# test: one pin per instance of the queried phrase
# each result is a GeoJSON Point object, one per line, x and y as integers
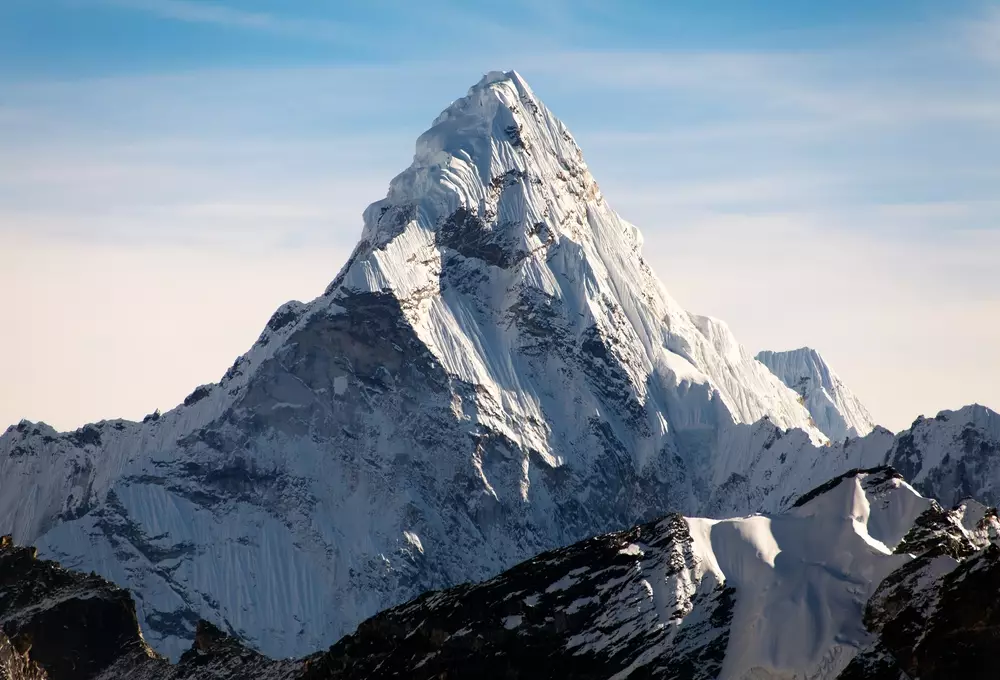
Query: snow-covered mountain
{"type": "Point", "coordinates": [837, 412]}
{"type": "Point", "coordinates": [783, 597]}
{"type": "Point", "coordinates": [494, 373]}
{"type": "Point", "coordinates": [862, 579]}
{"type": "Point", "coordinates": [952, 456]}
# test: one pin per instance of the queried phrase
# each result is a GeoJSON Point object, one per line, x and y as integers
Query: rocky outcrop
{"type": "Point", "coordinates": [624, 603]}
{"type": "Point", "coordinates": [936, 618]}
{"type": "Point", "coordinates": [59, 624]}
{"type": "Point", "coordinates": [952, 456]}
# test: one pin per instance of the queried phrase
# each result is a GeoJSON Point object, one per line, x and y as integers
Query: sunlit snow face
{"type": "Point", "coordinates": [798, 193]}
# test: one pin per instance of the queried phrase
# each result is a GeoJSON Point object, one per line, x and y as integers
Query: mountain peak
{"type": "Point", "coordinates": [834, 408]}
{"type": "Point", "coordinates": [495, 371]}
{"type": "Point", "coordinates": [497, 77]}
{"type": "Point", "coordinates": [496, 160]}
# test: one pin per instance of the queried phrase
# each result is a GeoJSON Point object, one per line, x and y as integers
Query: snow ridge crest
{"type": "Point", "coordinates": [834, 408]}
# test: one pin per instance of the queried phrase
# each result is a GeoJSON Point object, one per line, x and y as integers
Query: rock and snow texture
{"type": "Point", "coordinates": [862, 579]}
{"type": "Point", "coordinates": [953, 456]}
{"type": "Point", "coordinates": [57, 624]}
{"type": "Point", "coordinates": [802, 578]}
{"type": "Point", "coordinates": [809, 594]}
{"type": "Point", "coordinates": [495, 372]}
{"type": "Point", "coordinates": [935, 618]}
{"type": "Point", "coordinates": [760, 597]}
{"type": "Point", "coordinates": [837, 412]}
{"type": "Point", "coordinates": [60, 625]}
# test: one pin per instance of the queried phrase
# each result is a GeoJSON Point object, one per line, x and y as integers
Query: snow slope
{"type": "Point", "coordinates": [780, 597]}
{"type": "Point", "coordinates": [495, 372]}
{"type": "Point", "coordinates": [834, 408]}
{"type": "Point", "coordinates": [862, 579]}
{"type": "Point", "coordinates": [803, 578]}
{"type": "Point", "coordinates": [953, 456]}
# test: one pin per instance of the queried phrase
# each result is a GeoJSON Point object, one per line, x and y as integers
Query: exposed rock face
{"type": "Point", "coordinates": [952, 456]}
{"type": "Point", "coordinates": [16, 664]}
{"type": "Point", "coordinates": [58, 624]}
{"type": "Point", "coordinates": [613, 604]}
{"type": "Point", "coordinates": [937, 617]}
{"type": "Point", "coordinates": [213, 656]}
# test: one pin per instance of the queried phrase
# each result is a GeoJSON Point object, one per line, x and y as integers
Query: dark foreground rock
{"type": "Point", "coordinates": [575, 612]}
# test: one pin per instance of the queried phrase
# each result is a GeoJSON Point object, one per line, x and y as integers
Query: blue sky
{"type": "Point", "coordinates": [101, 37]}
{"type": "Point", "coordinates": [813, 173]}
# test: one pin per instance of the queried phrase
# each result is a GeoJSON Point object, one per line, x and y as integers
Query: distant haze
{"type": "Point", "coordinates": [824, 178]}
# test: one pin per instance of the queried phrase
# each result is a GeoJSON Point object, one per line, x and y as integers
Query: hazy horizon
{"type": "Point", "coordinates": [819, 177]}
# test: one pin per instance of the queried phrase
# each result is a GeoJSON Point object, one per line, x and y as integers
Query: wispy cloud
{"type": "Point", "coordinates": [834, 84]}
{"type": "Point", "coordinates": [231, 17]}
{"type": "Point", "coordinates": [982, 34]}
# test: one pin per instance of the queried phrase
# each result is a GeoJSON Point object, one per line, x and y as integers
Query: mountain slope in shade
{"type": "Point", "coordinates": [495, 372]}
{"type": "Point", "coordinates": [952, 456]}
{"type": "Point", "coordinates": [863, 579]}
{"type": "Point", "coordinates": [57, 624]}
{"type": "Point", "coordinates": [834, 408]}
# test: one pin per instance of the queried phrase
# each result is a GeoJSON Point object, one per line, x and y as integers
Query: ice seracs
{"type": "Point", "coordinates": [834, 408]}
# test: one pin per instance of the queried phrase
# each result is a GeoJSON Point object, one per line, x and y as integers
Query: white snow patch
{"type": "Point", "coordinates": [562, 584]}
{"type": "Point", "coordinates": [803, 579]}
{"type": "Point", "coordinates": [581, 602]}
{"type": "Point", "coordinates": [414, 540]}
{"type": "Point", "coordinates": [512, 622]}
{"type": "Point", "coordinates": [340, 385]}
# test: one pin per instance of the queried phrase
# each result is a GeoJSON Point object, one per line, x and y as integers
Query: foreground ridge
{"type": "Point", "coordinates": [895, 587]}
